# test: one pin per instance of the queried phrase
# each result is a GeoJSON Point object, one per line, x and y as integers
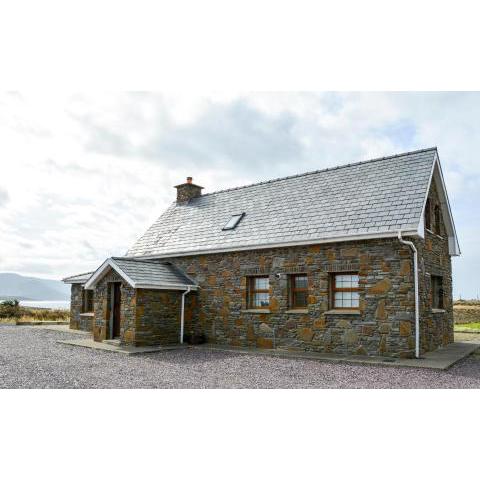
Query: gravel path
{"type": "Point", "coordinates": [31, 358]}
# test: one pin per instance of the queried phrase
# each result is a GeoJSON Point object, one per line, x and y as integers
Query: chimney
{"type": "Point", "coordinates": [187, 191]}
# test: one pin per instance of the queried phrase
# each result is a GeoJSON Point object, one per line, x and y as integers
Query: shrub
{"type": "Point", "coordinates": [10, 309]}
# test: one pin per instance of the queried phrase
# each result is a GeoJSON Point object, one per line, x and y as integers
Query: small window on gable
{"type": "Point", "coordinates": [428, 215]}
{"type": "Point", "coordinates": [233, 222]}
{"type": "Point", "coordinates": [437, 220]}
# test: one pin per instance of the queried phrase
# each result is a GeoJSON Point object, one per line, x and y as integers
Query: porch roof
{"type": "Point", "coordinates": [138, 273]}
{"type": "Point", "coordinates": [81, 278]}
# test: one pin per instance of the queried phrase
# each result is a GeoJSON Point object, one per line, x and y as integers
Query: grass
{"type": "Point", "coordinates": [473, 326]}
{"type": "Point", "coordinates": [13, 314]}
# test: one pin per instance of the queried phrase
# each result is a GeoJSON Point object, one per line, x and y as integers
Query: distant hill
{"type": "Point", "coordinates": [17, 286]}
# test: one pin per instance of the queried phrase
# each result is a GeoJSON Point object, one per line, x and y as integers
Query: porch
{"type": "Point", "coordinates": [141, 303]}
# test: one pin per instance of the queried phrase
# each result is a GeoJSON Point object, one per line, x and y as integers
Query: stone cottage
{"type": "Point", "coordinates": [351, 260]}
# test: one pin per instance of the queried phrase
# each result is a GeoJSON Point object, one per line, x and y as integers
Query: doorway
{"type": "Point", "coordinates": [115, 299]}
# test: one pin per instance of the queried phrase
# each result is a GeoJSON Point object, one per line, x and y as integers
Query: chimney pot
{"type": "Point", "coordinates": [187, 191]}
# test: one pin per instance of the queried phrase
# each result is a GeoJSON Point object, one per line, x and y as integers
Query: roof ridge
{"type": "Point", "coordinates": [138, 260]}
{"type": "Point", "coordinates": [312, 172]}
{"type": "Point", "coordinates": [80, 274]}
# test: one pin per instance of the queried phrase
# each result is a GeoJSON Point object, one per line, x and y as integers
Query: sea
{"type": "Point", "coordinates": [52, 304]}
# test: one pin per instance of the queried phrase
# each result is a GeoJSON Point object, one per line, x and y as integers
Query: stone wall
{"type": "Point", "coordinates": [157, 317]}
{"type": "Point", "coordinates": [79, 320]}
{"type": "Point", "coordinates": [384, 324]}
{"type": "Point", "coordinates": [101, 322]}
{"type": "Point", "coordinates": [436, 326]}
{"type": "Point", "coordinates": [75, 305]}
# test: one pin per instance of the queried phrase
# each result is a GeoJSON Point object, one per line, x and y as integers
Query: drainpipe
{"type": "Point", "coordinates": [182, 313]}
{"type": "Point", "coordinates": [415, 280]}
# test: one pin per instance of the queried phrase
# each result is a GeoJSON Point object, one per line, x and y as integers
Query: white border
{"type": "Point", "coordinates": [437, 175]}
{"type": "Point", "coordinates": [266, 246]}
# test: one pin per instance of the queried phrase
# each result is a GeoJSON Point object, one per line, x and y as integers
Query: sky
{"type": "Point", "coordinates": [83, 175]}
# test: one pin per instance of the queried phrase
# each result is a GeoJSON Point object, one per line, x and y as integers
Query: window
{"type": "Point", "coordinates": [258, 292]}
{"type": "Point", "coordinates": [345, 290]}
{"type": "Point", "coordinates": [437, 219]}
{"type": "Point", "coordinates": [437, 291]}
{"type": "Point", "coordinates": [298, 291]}
{"type": "Point", "coordinates": [233, 222]}
{"type": "Point", "coordinates": [87, 301]}
{"type": "Point", "coordinates": [428, 215]}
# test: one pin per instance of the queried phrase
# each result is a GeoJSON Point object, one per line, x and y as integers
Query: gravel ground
{"type": "Point", "coordinates": [31, 358]}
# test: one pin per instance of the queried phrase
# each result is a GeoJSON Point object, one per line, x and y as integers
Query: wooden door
{"type": "Point", "coordinates": [116, 309]}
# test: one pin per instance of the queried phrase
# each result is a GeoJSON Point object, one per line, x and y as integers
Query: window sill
{"type": "Point", "coordinates": [87, 314]}
{"type": "Point", "coordinates": [297, 310]}
{"type": "Point", "coordinates": [438, 310]}
{"type": "Point", "coordinates": [255, 310]}
{"type": "Point", "coordinates": [433, 233]}
{"type": "Point", "coordinates": [336, 311]}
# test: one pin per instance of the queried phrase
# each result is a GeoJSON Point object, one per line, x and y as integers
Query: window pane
{"type": "Point", "coordinates": [300, 281]}
{"type": "Point", "coordinates": [355, 299]}
{"type": "Point", "coordinates": [260, 300]}
{"type": "Point", "coordinates": [346, 300]}
{"type": "Point", "coordinates": [338, 302]}
{"type": "Point", "coordinates": [346, 281]}
{"type": "Point", "coordinates": [261, 283]}
{"type": "Point", "coordinates": [300, 299]}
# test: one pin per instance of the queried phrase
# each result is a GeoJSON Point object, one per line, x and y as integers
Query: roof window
{"type": "Point", "coordinates": [233, 222]}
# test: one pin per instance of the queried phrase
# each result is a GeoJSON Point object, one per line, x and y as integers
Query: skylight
{"type": "Point", "coordinates": [233, 222]}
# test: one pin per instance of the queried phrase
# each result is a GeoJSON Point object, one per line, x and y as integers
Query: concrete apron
{"type": "Point", "coordinates": [441, 359]}
{"type": "Point", "coordinates": [127, 350]}
{"type": "Point", "coordinates": [64, 328]}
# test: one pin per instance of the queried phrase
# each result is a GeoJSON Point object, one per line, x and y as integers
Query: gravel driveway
{"type": "Point", "coordinates": [31, 358]}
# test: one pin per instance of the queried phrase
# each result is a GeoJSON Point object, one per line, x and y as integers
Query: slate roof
{"type": "Point", "coordinates": [144, 273]}
{"type": "Point", "coordinates": [372, 197]}
{"type": "Point", "coordinates": [149, 272]}
{"type": "Point", "coordinates": [80, 278]}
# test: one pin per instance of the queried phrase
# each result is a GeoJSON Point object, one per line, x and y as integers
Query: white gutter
{"type": "Point", "coordinates": [347, 238]}
{"type": "Point", "coordinates": [415, 280]}
{"type": "Point", "coordinates": [182, 313]}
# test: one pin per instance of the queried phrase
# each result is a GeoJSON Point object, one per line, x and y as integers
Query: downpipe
{"type": "Point", "coordinates": [182, 313]}
{"type": "Point", "coordinates": [415, 281]}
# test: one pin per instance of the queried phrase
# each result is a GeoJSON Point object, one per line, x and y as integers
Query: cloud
{"type": "Point", "coordinates": [88, 173]}
{"type": "Point", "coordinates": [3, 197]}
{"type": "Point", "coordinates": [231, 135]}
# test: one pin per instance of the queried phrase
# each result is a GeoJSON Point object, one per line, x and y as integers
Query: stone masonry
{"type": "Point", "coordinates": [436, 326]}
{"type": "Point", "coordinates": [147, 317]}
{"type": "Point", "coordinates": [101, 324]}
{"type": "Point", "coordinates": [78, 319]}
{"type": "Point", "coordinates": [384, 324]}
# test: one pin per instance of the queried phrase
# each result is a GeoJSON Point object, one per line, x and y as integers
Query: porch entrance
{"type": "Point", "coordinates": [115, 296]}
